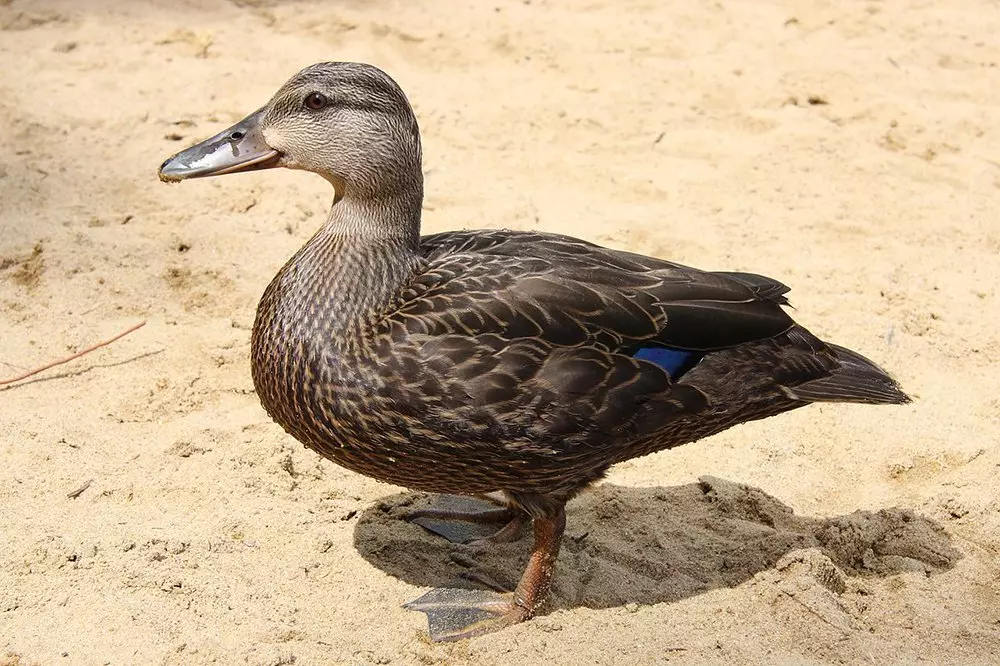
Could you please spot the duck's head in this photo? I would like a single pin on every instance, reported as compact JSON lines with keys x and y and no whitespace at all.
{"x":348,"y":122}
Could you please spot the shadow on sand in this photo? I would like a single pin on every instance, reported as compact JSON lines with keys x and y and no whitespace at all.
{"x":651,"y":545}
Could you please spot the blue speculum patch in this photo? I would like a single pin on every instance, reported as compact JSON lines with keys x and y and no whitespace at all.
{"x":675,"y":361}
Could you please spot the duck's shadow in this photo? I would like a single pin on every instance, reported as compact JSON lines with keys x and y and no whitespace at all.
{"x":651,"y":545}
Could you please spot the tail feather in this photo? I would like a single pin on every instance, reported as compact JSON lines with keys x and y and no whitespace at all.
{"x":856,"y":380}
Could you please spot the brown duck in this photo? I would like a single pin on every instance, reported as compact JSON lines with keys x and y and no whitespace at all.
{"x":512,"y":365}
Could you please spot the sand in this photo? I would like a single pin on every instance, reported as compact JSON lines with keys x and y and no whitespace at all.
{"x":849,"y":149}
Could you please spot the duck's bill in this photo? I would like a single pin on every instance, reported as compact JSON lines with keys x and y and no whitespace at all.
{"x":239,"y":148}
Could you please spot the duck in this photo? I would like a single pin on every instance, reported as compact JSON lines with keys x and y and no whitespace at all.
{"x":511,"y":366}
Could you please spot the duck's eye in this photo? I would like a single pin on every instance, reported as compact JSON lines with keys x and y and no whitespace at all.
{"x":316,"y":101}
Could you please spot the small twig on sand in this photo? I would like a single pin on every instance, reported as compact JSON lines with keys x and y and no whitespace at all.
{"x":75,"y":356}
{"x":79,"y":491}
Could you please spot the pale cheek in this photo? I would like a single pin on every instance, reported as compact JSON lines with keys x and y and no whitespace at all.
{"x":275,"y":138}
{"x":302,"y":145}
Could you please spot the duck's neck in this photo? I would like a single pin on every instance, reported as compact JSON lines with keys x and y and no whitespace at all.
{"x":373,"y":220}
{"x":347,"y":274}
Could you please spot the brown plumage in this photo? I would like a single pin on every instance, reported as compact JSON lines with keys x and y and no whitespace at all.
{"x":480,"y":362}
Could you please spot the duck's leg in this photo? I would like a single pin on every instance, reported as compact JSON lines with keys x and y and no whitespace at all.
{"x":470,"y":521}
{"x":456,"y":614}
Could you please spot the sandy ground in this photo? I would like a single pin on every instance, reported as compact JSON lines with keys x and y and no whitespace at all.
{"x":849,"y":149}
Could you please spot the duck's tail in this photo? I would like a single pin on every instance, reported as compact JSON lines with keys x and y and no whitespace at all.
{"x":856,"y":380}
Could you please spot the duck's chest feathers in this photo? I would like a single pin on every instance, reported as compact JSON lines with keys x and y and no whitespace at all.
{"x":314,"y":366}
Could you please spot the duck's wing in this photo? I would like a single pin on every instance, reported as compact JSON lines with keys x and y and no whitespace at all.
{"x":534,"y":342}
{"x":569,"y":292}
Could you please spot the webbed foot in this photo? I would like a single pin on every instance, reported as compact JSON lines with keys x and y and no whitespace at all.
{"x":470,"y":521}
{"x":454,"y":614}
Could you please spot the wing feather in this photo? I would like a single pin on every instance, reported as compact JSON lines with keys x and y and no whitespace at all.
{"x":570,"y":292}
